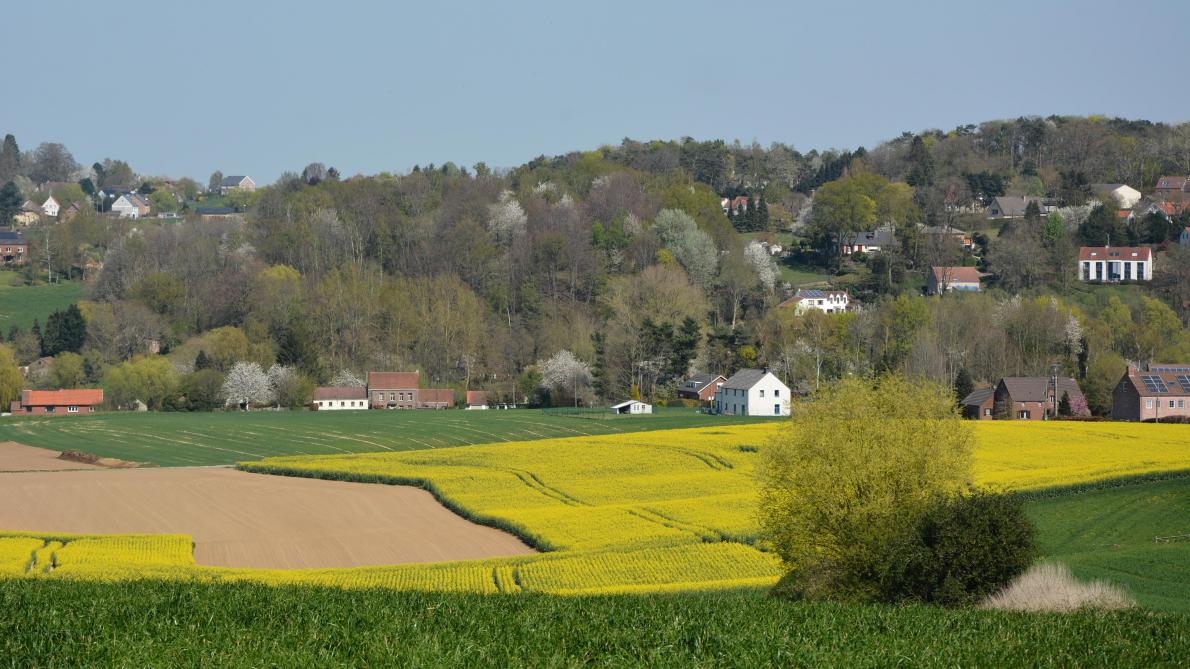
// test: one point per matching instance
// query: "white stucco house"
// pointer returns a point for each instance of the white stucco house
(340, 398)
(1115, 263)
(826, 301)
(753, 392)
(632, 407)
(50, 207)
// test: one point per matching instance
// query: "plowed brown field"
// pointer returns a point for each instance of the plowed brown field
(16, 457)
(239, 519)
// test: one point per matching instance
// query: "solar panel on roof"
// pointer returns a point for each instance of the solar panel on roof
(1154, 384)
(1169, 368)
(1184, 379)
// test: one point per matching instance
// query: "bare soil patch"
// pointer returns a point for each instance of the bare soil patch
(16, 457)
(238, 519)
(92, 459)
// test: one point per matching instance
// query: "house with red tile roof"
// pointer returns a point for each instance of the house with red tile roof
(401, 390)
(945, 279)
(58, 402)
(1115, 263)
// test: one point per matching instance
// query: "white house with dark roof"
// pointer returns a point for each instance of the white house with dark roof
(131, 205)
(236, 182)
(826, 301)
(753, 392)
(871, 241)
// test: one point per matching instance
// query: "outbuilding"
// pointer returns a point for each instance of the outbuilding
(632, 407)
(58, 402)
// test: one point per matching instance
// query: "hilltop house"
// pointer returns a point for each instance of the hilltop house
(28, 215)
(340, 398)
(1159, 392)
(237, 182)
(1125, 196)
(701, 387)
(1115, 263)
(826, 301)
(1172, 189)
(58, 402)
(1033, 398)
(753, 392)
(945, 279)
(867, 242)
(14, 250)
(50, 207)
(130, 205)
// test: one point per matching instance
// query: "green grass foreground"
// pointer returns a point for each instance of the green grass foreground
(1110, 534)
(223, 438)
(153, 624)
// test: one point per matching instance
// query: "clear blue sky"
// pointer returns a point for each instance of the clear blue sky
(259, 87)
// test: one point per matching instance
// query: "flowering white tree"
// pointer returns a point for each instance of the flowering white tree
(506, 218)
(692, 247)
(565, 372)
(347, 379)
(247, 384)
(766, 270)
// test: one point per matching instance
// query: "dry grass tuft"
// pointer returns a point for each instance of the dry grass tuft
(1051, 587)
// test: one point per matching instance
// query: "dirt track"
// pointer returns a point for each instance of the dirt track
(16, 457)
(239, 519)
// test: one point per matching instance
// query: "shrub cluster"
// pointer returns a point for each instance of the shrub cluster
(963, 549)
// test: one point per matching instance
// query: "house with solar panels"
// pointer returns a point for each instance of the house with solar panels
(826, 301)
(1156, 393)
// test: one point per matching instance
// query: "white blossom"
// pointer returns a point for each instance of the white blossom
(347, 379)
(247, 384)
(506, 218)
(766, 270)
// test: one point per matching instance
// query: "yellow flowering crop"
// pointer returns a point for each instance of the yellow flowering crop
(644, 512)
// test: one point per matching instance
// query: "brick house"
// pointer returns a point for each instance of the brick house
(57, 402)
(399, 390)
(1161, 391)
(980, 404)
(1033, 398)
(339, 398)
(1172, 189)
(14, 250)
(701, 387)
(1115, 263)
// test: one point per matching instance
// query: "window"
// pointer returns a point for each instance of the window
(1024, 415)
(987, 412)
(379, 397)
(762, 392)
(1181, 404)
(1140, 270)
(49, 409)
(1171, 404)
(776, 392)
(72, 409)
(392, 397)
(1148, 404)
(777, 409)
(342, 404)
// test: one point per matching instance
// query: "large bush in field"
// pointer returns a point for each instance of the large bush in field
(965, 548)
(853, 476)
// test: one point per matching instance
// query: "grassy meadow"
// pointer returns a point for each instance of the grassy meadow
(21, 305)
(223, 438)
(168, 624)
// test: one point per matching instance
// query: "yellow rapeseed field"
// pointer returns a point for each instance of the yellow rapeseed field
(642, 512)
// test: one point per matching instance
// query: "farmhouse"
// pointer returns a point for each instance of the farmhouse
(39, 402)
(632, 407)
(701, 387)
(399, 390)
(826, 301)
(1115, 263)
(979, 404)
(753, 392)
(1159, 392)
(237, 182)
(1033, 398)
(332, 398)
(945, 279)
(14, 250)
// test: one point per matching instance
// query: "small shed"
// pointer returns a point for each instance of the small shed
(632, 407)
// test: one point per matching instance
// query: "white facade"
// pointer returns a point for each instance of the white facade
(125, 207)
(341, 405)
(632, 407)
(50, 207)
(752, 392)
(826, 301)
(1115, 264)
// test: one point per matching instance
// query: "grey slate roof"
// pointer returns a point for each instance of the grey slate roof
(880, 237)
(978, 396)
(232, 180)
(744, 379)
(1036, 388)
